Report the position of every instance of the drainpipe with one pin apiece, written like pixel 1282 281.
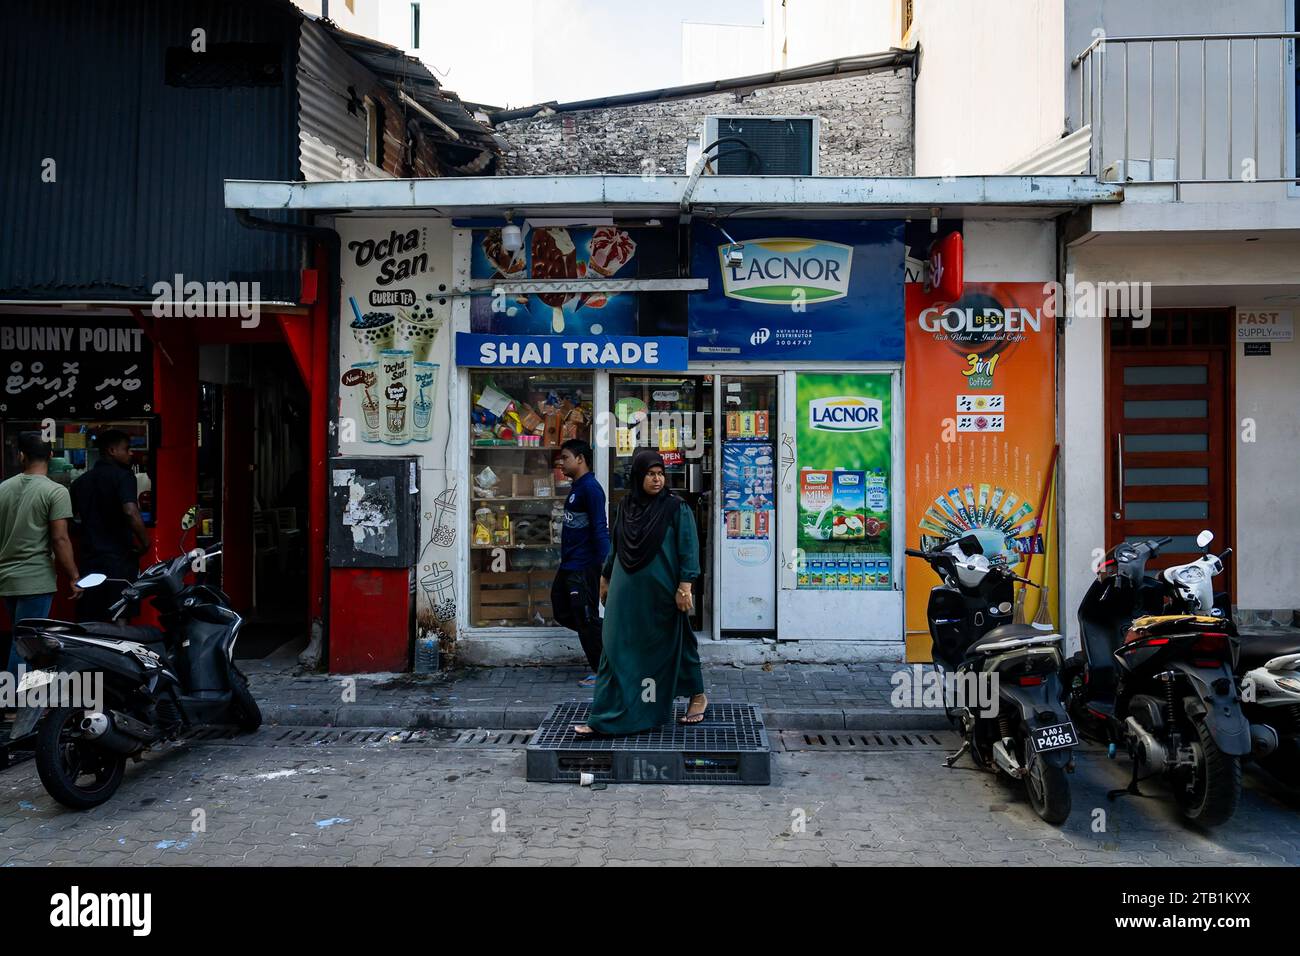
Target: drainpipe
pixel 322 388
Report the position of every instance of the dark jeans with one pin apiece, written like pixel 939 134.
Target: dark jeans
pixel 575 597
pixel 94 603
pixel 24 606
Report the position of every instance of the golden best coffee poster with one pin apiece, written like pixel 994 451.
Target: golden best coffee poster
pixel 980 426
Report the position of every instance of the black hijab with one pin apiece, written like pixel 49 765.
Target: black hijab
pixel 643 519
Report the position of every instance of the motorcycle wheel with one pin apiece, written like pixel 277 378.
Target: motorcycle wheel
pixel 248 716
pixel 1216 783
pixel 1049 791
pixel 74 773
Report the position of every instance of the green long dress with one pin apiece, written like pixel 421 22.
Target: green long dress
pixel 646 637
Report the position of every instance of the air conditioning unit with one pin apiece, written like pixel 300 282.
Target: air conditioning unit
pixel 763 145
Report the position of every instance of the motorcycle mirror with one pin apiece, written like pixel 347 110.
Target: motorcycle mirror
pixel 190 518
pixel 1204 538
pixel 92 580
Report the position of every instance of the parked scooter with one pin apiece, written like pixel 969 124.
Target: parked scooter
pixel 1026 734
pixel 1268 666
pixel 157 684
pixel 1160 685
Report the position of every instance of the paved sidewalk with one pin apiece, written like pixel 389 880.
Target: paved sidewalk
pixel 790 696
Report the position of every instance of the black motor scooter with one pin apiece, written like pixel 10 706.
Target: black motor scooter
pixel 1160 685
pixel 1268 665
pixel 1026 733
pixel 156 684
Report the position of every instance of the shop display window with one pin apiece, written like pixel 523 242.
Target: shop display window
pixel 517 424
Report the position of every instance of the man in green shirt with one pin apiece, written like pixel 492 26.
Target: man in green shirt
pixel 34 514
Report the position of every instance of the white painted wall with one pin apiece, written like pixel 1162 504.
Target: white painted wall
pixel 989 91
pixel 712 51
pixel 1009 250
pixel 1081 427
pixel 1268 508
pixel 809 31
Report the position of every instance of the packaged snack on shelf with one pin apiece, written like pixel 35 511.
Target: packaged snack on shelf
pixel 485 483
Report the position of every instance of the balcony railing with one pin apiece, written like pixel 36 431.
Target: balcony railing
pixel 1190 109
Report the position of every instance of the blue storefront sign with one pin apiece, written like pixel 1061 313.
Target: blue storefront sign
pixel 617 352
pixel 807 291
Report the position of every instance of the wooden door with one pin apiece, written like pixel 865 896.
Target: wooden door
pixel 1168 425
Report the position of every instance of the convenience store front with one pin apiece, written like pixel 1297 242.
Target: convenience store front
pixel 776 412
pixel 748 388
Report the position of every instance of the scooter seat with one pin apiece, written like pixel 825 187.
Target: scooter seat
pixel 150 637
pixel 1256 650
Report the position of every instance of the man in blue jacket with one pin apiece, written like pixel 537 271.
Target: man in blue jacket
pixel 584 543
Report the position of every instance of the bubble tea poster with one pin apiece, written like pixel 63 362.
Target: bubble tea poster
pixel 395 332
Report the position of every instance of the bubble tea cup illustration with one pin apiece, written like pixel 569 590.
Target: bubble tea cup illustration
pixel 426 376
pixel 395 374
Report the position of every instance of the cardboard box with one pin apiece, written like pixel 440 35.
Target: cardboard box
pixel 524 486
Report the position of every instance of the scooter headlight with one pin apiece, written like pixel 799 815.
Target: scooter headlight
pixel 1290 683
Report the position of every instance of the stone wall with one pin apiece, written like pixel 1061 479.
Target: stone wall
pixel 866 129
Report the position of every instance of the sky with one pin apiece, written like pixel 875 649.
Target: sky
pixel 517 52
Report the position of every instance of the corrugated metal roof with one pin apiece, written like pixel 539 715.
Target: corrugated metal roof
pixel 399 70
pixel 893 59
pixel 1067 156
pixel 139 165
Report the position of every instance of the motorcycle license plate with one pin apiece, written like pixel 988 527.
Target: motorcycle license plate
pixel 1054 737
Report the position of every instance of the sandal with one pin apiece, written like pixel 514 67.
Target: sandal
pixel 695 717
pixel 588 734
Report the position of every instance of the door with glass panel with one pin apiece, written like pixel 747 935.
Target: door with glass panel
pixel 1167 450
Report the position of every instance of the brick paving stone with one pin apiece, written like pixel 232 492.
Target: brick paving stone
pixel 437 806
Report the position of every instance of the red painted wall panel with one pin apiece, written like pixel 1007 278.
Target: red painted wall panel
pixel 370 620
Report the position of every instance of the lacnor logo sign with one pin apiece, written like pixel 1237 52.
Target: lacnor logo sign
pixel 774 268
pixel 844 413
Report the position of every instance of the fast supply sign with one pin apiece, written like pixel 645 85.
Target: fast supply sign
pixel 805 291
pixel 1261 325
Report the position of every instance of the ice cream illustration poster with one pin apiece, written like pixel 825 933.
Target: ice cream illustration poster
pixel 395 331
pixel 556 253
pixel 748 489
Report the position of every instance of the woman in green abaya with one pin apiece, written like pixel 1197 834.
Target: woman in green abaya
pixel 650 656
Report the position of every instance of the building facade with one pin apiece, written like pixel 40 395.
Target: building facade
pixel 1175 409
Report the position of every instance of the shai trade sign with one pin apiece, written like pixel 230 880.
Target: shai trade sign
pixel 662 353
pixel 819 291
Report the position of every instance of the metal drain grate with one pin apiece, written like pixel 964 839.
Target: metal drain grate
pixel 871 741
pixel 282 736
pixel 493 738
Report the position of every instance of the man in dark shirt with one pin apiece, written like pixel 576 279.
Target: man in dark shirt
pixel 112 533
pixel 584 542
